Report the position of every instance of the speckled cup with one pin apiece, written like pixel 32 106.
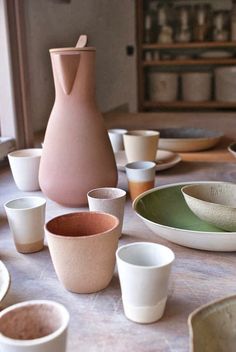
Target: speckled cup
pixel 34 326
pixel 82 247
pixel 108 200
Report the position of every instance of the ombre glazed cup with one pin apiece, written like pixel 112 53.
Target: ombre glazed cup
pixel 82 247
pixel 141 177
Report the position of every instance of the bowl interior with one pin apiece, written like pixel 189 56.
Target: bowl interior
pixel 167 207
pixel 82 224
pixel 213 327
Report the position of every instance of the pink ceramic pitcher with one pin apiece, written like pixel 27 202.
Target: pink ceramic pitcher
pixel 77 154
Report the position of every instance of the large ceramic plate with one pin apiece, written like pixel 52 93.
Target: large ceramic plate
pixel 164 159
pixel 188 139
pixel 164 211
pixel 4 280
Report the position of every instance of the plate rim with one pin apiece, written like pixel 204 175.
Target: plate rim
pixel 176 159
pixel 7 281
pixel 201 233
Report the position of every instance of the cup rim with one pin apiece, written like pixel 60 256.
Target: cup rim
pixel 150 267
pixel 40 199
pixel 82 237
pixel 14 153
pixel 122 193
pixel 142 133
pixel 119 131
pixel 32 342
pixel 149 164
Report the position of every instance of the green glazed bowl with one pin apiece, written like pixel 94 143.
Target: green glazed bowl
pixel 165 212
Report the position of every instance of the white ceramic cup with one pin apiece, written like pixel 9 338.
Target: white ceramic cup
pixel 26 217
pixel 34 326
pixel 108 200
pixel 24 165
pixel 116 138
pixel 141 145
pixel 144 270
pixel 141 177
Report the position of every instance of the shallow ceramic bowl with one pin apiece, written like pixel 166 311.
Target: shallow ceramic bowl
pixel 82 247
pixel 212 327
pixel 165 212
pixel 5 281
pixel 232 149
pixel 186 139
pixel 214 203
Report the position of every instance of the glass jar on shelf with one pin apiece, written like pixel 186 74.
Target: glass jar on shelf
pixel 220 30
pixel 165 30
pixel 202 14
pixel 183 34
pixel 150 22
pixel 233 22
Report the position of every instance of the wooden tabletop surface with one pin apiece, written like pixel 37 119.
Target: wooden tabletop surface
pixel 97 321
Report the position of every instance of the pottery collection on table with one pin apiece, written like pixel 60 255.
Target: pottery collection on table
pixel 77 167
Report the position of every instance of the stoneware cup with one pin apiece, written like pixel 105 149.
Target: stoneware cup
pixel 144 270
pixel 82 247
pixel 141 177
pixel 26 217
pixel 141 145
pixel 24 165
pixel 108 200
pixel 116 138
pixel 34 326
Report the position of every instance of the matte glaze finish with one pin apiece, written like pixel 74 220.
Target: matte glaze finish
pixel 77 154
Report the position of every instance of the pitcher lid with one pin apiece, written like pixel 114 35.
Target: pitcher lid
pixel 86 48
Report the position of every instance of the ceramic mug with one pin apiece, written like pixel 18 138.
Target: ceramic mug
pixel 24 165
pixel 144 271
pixel 141 177
pixel 141 145
pixel 108 200
pixel 26 217
pixel 34 326
pixel 116 138
pixel 82 247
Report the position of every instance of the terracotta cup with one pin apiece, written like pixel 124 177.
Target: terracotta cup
pixel 108 200
pixel 141 177
pixel 24 165
pixel 141 145
pixel 34 326
pixel 26 217
pixel 144 271
pixel 82 247
pixel 116 138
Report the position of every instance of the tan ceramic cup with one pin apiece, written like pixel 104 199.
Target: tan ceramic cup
pixel 26 217
pixel 116 138
pixel 24 165
pixel 34 326
pixel 108 200
pixel 141 145
pixel 141 177
pixel 82 247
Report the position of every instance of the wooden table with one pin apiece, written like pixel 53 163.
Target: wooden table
pixel 97 322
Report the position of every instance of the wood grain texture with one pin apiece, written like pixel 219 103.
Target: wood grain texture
pixel 97 322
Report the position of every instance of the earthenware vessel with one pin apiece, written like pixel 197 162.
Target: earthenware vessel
pixel 214 203
pixel 34 326
pixel 24 165
pixel 82 247
pixel 212 326
pixel 77 155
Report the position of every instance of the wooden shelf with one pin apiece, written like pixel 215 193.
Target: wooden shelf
pixel 189 105
pixel 198 62
pixel 192 45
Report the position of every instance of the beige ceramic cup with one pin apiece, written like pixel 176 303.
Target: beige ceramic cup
pixel 34 326
pixel 116 138
pixel 82 247
pixel 141 177
pixel 26 217
pixel 144 271
pixel 108 200
pixel 24 165
pixel 141 145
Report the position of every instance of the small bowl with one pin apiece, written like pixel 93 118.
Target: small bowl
pixel 82 247
pixel 212 326
pixel 232 149
pixel 214 203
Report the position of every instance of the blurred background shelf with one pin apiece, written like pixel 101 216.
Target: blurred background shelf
pixel 193 62
pixel 189 104
pixel 192 45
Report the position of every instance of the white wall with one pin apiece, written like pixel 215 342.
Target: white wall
pixel 110 25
